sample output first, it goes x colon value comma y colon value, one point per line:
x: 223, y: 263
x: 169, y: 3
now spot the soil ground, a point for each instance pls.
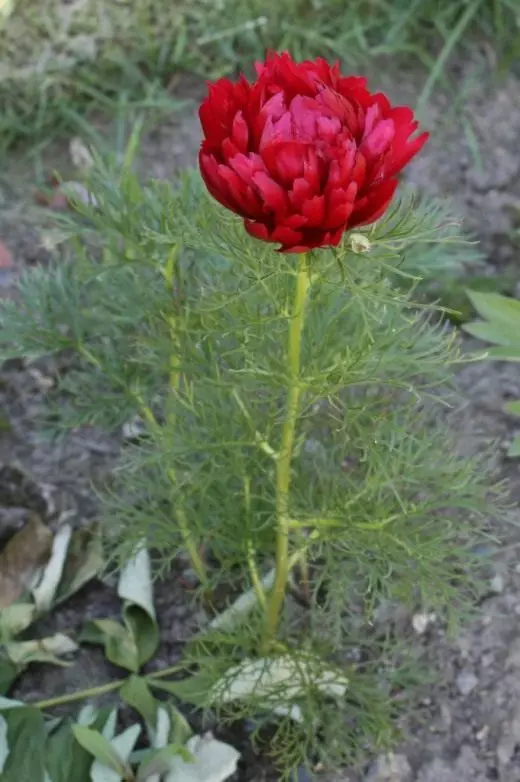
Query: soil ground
x: 468, y: 724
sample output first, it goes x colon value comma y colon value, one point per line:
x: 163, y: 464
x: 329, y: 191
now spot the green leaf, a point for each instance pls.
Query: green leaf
x: 16, y: 618
x: 498, y: 333
x: 513, y: 407
x: 135, y: 588
x: 120, y: 647
x: 136, y: 693
x: 100, y: 748
x: 194, y: 689
x: 4, y: 746
x: 26, y: 737
x: 496, y: 308
x: 123, y: 746
x: 503, y: 354
x: 65, y: 759
x: 514, y: 448
x: 158, y: 761
x: 8, y: 673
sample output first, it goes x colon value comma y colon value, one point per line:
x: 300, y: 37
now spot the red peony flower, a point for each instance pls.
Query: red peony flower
x: 303, y: 153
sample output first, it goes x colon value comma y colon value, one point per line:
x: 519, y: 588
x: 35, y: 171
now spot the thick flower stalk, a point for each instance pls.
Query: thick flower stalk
x: 303, y: 153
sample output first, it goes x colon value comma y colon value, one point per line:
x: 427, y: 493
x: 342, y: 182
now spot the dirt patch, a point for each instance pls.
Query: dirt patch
x: 468, y: 725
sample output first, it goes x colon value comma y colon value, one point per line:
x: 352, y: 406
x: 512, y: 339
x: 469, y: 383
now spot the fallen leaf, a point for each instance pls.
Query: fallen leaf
x: 84, y: 561
x: 21, y: 558
x: 43, y: 650
x: 6, y: 257
x: 45, y: 590
x: 213, y: 761
x: 80, y: 154
x: 16, y: 618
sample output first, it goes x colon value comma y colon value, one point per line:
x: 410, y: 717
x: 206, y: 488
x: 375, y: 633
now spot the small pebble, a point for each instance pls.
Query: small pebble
x: 482, y: 734
x: 389, y: 768
x: 466, y: 682
x: 497, y: 584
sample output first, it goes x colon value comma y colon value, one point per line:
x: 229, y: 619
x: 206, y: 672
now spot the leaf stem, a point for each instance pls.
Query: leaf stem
x: 102, y: 689
x: 283, y: 463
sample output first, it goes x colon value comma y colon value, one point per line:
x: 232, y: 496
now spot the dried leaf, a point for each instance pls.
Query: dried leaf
x: 44, y: 592
x: 16, y: 618
x: 213, y: 761
x: 21, y: 558
x: 80, y: 154
x: 6, y: 257
x: 43, y: 650
x: 84, y: 562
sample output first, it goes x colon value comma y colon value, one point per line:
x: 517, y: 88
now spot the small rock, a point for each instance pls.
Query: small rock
x: 389, y: 768
x: 421, y: 622
x: 497, y: 584
x: 482, y: 734
x: 466, y: 682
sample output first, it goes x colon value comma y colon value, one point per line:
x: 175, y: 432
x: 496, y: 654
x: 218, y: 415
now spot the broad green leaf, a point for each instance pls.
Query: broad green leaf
x: 498, y: 333
x: 119, y: 643
x: 123, y: 746
x: 8, y: 673
x: 513, y: 407
x: 155, y: 763
x: 514, y: 448
x: 43, y: 650
x: 65, y: 759
x: 136, y: 693
x: 180, y: 730
x: 26, y: 736
x: 4, y: 746
x: 100, y: 748
x: 496, y: 308
x: 503, y: 354
x: 84, y: 562
x: 213, y: 761
x: 135, y: 588
x: 45, y: 590
x: 195, y: 689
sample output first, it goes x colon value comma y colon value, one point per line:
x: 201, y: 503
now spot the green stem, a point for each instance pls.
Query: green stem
x: 79, y: 695
x: 174, y: 384
x: 102, y: 689
x: 283, y: 464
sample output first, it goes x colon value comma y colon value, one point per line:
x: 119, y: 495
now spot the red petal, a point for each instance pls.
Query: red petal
x: 271, y: 193
x: 314, y: 211
x: 379, y: 140
x: 284, y: 160
x: 398, y: 161
x: 240, y: 132
x: 370, y: 208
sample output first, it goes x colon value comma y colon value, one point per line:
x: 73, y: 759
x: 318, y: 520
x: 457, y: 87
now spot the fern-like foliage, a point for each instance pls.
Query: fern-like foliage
x: 176, y: 316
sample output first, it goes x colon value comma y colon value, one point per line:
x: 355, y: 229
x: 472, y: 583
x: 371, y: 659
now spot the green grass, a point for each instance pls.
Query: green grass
x: 57, y: 57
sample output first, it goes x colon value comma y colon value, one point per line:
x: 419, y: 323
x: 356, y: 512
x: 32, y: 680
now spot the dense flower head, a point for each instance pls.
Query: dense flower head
x: 303, y: 152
